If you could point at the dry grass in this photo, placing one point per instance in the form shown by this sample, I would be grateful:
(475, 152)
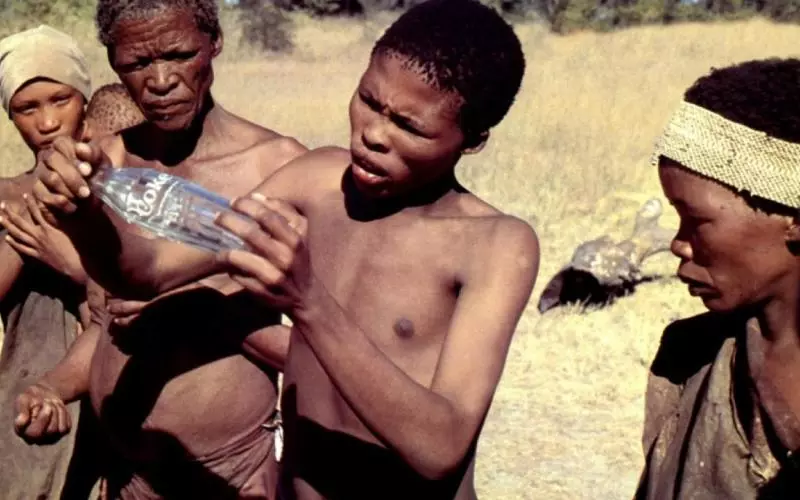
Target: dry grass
(571, 158)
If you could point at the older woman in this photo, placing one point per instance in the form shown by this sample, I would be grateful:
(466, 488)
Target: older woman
(44, 87)
(723, 400)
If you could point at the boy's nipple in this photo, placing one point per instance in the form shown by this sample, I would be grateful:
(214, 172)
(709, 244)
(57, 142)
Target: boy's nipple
(404, 328)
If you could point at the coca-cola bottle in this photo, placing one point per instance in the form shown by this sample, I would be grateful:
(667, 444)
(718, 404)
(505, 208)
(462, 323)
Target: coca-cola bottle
(166, 205)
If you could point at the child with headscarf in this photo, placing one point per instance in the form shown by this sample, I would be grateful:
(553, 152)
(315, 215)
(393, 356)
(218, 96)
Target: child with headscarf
(44, 88)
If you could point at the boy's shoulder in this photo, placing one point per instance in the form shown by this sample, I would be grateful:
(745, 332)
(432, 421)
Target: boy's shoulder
(495, 233)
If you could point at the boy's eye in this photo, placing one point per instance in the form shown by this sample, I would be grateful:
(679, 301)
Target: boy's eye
(369, 101)
(407, 126)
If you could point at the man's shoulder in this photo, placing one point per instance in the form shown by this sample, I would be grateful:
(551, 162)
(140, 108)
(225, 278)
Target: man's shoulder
(689, 344)
(275, 151)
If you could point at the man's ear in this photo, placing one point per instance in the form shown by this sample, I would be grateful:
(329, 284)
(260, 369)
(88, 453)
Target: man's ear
(474, 143)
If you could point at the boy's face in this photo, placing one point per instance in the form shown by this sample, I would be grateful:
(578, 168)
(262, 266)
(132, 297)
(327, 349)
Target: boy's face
(43, 110)
(404, 133)
(731, 255)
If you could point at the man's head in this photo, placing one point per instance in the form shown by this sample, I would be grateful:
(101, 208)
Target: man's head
(439, 78)
(162, 51)
(44, 85)
(729, 162)
(111, 110)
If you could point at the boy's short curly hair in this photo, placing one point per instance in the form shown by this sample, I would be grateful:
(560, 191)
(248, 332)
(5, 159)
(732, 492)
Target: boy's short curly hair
(109, 12)
(112, 109)
(759, 94)
(465, 47)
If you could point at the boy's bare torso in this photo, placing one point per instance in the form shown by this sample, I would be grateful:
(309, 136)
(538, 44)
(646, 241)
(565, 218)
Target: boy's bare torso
(398, 278)
(175, 385)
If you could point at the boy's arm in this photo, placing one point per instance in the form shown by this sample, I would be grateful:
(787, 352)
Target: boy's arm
(433, 427)
(42, 415)
(70, 377)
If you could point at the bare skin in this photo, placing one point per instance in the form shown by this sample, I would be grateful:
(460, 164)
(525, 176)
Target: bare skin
(402, 328)
(183, 384)
(737, 258)
(402, 331)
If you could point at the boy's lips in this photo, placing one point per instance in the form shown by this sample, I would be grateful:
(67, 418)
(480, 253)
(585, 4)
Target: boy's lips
(366, 172)
(696, 287)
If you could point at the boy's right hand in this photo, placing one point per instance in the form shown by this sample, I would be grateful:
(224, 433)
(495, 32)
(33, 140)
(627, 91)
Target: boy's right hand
(63, 173)
(42, 416)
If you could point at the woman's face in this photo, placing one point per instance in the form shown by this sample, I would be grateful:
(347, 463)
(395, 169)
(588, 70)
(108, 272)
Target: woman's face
(731, 255)
(43, 110)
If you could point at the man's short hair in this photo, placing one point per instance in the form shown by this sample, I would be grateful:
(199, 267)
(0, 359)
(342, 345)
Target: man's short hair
(109, 12)
(464, 47)
(112, 109)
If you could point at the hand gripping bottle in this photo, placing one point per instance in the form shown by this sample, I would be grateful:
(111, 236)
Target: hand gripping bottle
(168, 206)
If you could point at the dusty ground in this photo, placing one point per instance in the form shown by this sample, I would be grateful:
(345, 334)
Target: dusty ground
(571, 158)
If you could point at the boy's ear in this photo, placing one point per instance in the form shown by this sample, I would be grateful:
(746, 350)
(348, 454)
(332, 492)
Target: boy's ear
(793, 235)
(475, 143)
(216, 45)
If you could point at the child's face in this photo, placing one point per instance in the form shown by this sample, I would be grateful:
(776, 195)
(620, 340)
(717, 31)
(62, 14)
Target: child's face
(404, 133)
(43, 110)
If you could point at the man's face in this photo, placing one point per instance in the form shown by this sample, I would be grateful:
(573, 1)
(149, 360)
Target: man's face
(731, 255)
(164, 60)
(404, 133)
(43, 110)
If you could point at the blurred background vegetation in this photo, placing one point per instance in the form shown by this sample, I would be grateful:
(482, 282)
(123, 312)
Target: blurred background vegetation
(268, 24)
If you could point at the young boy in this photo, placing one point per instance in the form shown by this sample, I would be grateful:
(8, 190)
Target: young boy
(402, 327)
(402, 330)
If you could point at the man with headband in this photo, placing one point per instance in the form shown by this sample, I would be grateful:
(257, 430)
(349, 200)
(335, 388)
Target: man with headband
(723, 398)
(44, 87)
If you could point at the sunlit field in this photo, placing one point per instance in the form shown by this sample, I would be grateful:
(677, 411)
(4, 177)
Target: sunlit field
(571, 158)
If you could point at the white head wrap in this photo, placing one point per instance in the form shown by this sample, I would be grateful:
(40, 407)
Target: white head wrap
(42, 52)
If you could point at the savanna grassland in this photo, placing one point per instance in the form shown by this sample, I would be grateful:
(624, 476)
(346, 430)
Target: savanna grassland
(571, 158)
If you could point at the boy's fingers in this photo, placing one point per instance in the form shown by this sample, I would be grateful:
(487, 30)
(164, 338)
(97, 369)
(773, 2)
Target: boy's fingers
(293, 218)
(248, 230)
(23, 406)
(33, 208)
(14, 232)
(277, 217)
(51, 199)
(249, 264)
(21, 223)
(69, 170)
(24, 249)
(40, 420)
(92, 155)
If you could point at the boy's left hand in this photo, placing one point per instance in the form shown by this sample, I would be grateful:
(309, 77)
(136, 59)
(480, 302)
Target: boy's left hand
(30, 234)
(276, 267)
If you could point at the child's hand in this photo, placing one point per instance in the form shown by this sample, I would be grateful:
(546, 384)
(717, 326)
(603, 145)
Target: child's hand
(42, 415)
(31, 235)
